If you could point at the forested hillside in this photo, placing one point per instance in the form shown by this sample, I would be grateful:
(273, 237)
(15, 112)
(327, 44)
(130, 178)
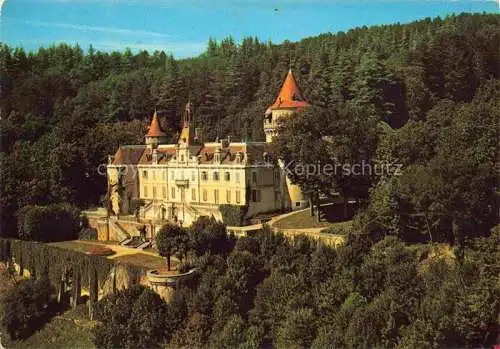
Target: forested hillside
(63, 111)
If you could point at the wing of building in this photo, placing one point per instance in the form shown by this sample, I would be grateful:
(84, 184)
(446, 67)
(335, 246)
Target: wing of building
(180, 182)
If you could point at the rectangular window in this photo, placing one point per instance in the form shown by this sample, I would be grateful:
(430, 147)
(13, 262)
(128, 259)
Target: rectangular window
(297, 204)
(227, 176)
(237, 178)
(145, 191)
(144, 174)
(204, 195)
(228, 196)
(192, 175)
(173, 175)
(164, 175)
(173, 193)
(164, 192)
(255, 195)
(193, 194)
(154, 174)
(204, 175)
(216, 196)
(254, 177)
(216, 176)
(238, 197)
(154, 192)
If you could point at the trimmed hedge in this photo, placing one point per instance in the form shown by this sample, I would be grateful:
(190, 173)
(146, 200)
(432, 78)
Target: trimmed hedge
(56, 262)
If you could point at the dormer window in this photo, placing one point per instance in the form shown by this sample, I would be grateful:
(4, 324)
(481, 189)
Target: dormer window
(265, 157)
(217, 155)
(238, 158)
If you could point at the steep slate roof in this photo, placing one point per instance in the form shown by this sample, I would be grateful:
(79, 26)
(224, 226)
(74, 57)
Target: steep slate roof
(143, 156)
(155, 128)
(290, 95)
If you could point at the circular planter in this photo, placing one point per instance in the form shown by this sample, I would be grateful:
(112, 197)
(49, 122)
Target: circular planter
(99, 251)
(167, 278)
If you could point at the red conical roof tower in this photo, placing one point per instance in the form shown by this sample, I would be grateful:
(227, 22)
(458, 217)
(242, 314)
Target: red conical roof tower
(290, 95)
(155, 128)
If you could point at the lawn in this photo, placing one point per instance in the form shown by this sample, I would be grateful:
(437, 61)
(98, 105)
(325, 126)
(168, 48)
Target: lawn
(300, 220)
(80, 245)
(304, 220)
(145, 261)
(331, 216)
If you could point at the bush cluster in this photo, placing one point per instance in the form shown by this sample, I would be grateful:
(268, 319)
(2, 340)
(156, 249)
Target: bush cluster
(55, 222)
(25, 307)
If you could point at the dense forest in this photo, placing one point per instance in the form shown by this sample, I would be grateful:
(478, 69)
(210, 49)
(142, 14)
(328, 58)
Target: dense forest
(419, 268)
(268, 292)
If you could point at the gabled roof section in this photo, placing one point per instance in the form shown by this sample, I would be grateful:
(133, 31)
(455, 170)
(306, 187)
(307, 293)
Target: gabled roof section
(128, 155)
(155, 128)
(290, 95)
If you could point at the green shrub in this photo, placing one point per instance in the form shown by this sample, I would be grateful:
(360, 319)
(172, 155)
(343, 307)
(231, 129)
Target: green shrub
(134, 318)
(209, 235)
(25, 307)
(57, 222)
(233, 215)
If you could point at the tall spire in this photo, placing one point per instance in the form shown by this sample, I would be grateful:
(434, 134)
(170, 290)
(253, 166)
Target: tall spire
(186, 117)
(290, 95)
(155, 128)
(186, 137)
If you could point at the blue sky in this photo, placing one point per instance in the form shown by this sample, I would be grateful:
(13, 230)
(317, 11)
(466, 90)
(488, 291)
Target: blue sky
(183, 27)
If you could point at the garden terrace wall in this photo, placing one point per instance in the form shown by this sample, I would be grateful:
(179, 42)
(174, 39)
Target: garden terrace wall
(56, 263)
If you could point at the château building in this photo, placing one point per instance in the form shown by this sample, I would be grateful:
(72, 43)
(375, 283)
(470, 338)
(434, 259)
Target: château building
(191, 178)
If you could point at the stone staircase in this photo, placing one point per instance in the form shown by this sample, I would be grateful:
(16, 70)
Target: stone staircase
(121, 233)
